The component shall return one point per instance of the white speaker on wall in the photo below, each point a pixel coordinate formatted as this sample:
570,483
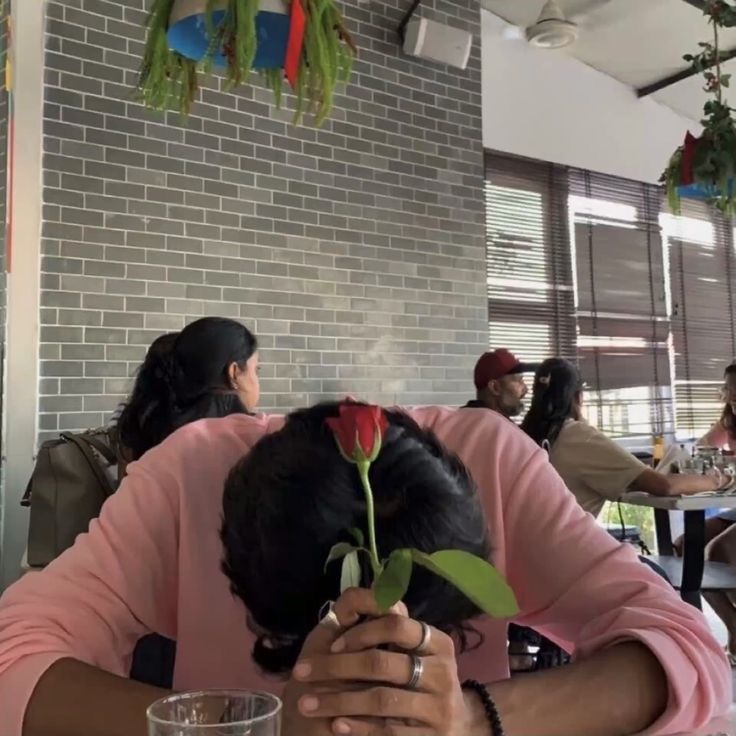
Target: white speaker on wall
428,39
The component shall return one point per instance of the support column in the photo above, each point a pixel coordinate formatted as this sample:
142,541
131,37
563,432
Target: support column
20,402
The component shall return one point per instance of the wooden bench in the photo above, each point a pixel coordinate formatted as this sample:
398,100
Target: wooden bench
716,575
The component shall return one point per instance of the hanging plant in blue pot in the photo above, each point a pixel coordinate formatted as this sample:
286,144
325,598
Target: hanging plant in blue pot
705,167
304,41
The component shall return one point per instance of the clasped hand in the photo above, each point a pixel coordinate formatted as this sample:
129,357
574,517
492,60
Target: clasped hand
353,681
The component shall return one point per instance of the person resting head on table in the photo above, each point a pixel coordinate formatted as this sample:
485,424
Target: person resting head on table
444,478
593,466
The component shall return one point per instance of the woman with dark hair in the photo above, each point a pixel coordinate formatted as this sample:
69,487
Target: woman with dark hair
443,478
720,530
723,433
594,467
209,369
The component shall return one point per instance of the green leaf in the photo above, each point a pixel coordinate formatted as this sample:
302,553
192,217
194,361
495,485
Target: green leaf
350,577
474,577
339,551
392,584
358,536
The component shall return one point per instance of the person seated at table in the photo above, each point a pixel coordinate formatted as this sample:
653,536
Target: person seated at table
443,478
723,433
593,466
208,369
720,531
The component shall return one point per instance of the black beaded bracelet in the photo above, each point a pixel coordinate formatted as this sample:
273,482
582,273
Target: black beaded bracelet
488,705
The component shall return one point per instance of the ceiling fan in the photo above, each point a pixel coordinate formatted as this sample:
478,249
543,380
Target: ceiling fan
554,29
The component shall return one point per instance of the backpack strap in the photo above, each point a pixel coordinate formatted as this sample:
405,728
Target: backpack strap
107,452
85,447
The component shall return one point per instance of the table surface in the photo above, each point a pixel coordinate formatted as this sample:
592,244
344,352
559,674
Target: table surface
696,502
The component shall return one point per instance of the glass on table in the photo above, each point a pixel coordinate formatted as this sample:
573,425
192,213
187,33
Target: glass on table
216,713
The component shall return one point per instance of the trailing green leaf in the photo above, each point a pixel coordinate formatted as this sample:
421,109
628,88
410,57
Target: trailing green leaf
339,551
474,577
391,585
714,153
168,80
358,536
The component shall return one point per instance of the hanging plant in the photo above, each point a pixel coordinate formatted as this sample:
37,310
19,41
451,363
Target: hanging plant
705,167
303,40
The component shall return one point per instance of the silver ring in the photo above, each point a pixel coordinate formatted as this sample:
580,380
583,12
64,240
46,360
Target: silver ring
417,670
328,617
423,645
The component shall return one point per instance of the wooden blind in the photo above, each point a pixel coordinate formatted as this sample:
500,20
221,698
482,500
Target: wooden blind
623,324
530,282
701,255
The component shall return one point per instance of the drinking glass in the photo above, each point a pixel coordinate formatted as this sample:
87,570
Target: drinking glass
216,713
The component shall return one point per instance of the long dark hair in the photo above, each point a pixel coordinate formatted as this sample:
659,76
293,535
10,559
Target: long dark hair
728,418
556,385
293,497
184,378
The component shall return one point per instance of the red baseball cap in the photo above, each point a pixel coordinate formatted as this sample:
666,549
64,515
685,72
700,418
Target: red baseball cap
497,364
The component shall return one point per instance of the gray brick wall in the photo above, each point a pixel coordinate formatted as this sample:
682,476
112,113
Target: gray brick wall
355,251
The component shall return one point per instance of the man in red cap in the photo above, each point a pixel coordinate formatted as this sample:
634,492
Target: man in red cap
499,382
499,385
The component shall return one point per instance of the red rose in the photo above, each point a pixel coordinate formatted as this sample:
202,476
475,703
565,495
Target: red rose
359,431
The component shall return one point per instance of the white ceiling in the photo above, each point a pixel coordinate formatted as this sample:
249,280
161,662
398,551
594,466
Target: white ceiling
637,42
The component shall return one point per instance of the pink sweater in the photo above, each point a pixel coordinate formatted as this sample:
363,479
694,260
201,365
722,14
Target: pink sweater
151,563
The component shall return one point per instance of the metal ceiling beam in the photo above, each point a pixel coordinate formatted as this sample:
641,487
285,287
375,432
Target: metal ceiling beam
661,84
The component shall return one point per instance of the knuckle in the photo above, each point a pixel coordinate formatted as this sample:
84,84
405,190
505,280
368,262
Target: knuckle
446,642
395,625
378,663
382,699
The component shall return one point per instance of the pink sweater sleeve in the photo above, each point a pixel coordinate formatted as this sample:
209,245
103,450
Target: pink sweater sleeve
72,609
581,588
118,582
576,584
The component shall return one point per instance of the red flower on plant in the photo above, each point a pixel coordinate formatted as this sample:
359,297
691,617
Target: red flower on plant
359,431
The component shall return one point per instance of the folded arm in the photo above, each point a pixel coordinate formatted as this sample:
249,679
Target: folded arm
581,588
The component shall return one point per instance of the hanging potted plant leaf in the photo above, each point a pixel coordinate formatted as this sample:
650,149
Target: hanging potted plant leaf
303,40
705,167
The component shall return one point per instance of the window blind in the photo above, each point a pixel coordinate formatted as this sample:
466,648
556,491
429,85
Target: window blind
529,271
701,255
622,315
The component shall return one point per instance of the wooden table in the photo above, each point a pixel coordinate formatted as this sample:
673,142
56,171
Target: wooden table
693,566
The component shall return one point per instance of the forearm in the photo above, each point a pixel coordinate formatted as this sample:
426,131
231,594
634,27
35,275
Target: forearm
675,484
567,701
73,698
680,485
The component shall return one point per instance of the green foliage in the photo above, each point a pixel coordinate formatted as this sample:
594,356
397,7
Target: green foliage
168,80
638,516
714,162
393,582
